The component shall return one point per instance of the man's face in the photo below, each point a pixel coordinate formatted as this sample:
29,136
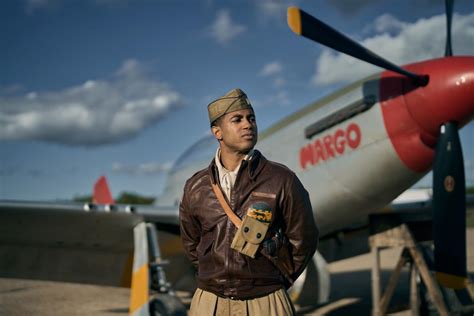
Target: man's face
237,131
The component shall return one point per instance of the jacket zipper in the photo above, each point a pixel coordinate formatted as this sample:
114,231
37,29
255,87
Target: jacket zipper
230,225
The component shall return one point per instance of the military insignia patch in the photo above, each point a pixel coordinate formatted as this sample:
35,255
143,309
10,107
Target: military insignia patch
261,211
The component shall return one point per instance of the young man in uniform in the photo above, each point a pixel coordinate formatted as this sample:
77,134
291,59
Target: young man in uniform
246,222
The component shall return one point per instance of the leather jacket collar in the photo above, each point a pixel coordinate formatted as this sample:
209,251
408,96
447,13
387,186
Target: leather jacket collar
253,166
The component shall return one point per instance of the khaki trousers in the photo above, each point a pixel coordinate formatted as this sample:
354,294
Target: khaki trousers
205,303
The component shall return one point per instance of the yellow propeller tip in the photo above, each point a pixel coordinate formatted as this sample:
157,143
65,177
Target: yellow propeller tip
451,281
294,19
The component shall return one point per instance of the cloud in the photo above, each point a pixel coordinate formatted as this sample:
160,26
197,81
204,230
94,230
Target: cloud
388,23
350,7
270,69
11,89
33,5
279,98
469,163
282,98
151,168
273,71
274,10
224,29
94,113
279,82
400,43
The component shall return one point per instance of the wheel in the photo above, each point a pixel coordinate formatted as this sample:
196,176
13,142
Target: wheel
167,305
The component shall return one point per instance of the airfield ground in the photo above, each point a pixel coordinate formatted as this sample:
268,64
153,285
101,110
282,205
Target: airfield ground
350,292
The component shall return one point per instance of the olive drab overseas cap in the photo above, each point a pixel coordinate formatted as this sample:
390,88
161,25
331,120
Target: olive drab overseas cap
234,100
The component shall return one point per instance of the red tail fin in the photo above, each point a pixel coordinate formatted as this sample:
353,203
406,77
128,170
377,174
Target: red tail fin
101,194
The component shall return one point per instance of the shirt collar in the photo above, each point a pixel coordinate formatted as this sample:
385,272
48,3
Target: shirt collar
222,169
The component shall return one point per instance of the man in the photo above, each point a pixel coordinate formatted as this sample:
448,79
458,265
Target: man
240,269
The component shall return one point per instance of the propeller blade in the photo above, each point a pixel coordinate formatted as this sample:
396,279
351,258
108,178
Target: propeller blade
449,209
308,26
449,16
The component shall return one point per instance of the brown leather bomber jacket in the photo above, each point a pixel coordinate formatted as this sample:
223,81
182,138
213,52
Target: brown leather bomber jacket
207,232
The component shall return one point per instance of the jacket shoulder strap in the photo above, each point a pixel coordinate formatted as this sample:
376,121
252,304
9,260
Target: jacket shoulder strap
234,218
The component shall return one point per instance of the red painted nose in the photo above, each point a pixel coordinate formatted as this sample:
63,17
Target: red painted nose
413,115
449,95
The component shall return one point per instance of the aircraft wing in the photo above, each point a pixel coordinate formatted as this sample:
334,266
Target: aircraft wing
73,242
352,241
164,217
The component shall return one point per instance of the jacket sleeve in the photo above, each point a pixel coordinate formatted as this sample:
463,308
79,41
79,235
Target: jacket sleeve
300,226
189,227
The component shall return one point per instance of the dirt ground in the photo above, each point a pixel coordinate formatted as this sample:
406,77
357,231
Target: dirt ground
350,291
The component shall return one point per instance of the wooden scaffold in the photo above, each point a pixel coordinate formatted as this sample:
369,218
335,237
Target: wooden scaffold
412,254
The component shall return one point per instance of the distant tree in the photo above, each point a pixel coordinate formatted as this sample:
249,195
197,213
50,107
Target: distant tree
133,198
83,198
470,190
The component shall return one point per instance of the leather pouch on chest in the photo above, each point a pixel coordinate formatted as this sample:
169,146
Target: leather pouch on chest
251,233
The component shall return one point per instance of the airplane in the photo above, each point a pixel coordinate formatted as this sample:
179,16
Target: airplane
355,151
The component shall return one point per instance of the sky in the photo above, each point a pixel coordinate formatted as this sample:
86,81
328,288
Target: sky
120,87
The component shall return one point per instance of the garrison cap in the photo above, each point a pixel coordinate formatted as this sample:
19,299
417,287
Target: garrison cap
233,100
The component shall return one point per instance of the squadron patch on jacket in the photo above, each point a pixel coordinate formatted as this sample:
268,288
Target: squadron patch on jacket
261,211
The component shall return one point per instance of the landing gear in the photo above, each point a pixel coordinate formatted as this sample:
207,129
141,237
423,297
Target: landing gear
165,301
167,305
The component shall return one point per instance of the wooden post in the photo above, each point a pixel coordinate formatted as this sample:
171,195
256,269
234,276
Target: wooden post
376,282
431,285
414,302
387,296
401,236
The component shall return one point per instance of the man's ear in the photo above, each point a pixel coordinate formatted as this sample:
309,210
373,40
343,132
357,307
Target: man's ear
216,131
